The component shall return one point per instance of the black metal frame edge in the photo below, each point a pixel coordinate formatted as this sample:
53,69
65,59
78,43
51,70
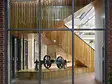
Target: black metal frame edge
67,29
106,40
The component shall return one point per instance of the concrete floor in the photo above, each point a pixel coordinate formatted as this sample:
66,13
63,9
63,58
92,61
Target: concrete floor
86,78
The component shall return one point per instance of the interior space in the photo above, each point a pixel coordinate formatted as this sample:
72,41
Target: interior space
56,42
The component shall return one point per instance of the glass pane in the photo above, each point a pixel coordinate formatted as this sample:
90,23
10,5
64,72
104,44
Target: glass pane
89,52
53,13
23,14
23,51
56,49
87,16
56,14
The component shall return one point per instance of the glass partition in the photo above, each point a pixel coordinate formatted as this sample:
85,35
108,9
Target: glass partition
24,50
50,14
23,14
40,54
88,16
89,52
57,67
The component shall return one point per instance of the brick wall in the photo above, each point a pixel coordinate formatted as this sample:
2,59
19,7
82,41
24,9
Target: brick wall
2,70
110,37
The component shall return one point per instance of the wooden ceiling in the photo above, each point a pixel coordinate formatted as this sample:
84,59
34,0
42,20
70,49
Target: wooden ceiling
58,2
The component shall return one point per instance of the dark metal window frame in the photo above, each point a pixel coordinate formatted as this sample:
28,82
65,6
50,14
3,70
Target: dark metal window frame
54,29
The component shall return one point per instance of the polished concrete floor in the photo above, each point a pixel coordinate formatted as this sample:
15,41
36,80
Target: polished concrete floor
85,78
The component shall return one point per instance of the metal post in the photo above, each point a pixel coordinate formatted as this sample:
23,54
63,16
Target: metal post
72,41
40,67
106,41
39,40
6,41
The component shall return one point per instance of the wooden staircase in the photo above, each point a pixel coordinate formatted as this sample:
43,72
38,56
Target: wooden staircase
83,52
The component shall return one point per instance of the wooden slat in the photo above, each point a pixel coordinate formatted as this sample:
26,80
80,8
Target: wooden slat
83,52
24,15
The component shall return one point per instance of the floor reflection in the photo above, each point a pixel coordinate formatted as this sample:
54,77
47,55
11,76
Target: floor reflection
85,78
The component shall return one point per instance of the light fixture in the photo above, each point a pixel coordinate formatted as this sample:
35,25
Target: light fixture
54,41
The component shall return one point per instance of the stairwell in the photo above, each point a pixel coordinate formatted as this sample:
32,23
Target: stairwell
83,52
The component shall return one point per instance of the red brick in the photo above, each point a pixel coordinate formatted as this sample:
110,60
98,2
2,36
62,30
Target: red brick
110,37
2,54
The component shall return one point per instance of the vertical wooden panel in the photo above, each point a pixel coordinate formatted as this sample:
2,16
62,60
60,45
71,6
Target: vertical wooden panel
83,52
24,15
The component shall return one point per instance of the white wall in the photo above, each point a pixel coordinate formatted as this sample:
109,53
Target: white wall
31,50
43,50
99,42
98,55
